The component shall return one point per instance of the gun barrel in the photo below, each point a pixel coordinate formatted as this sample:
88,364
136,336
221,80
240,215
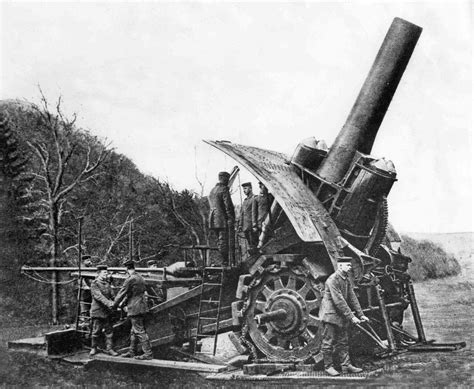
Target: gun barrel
360,129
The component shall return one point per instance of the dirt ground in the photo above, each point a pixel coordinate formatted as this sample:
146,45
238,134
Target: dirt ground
446,309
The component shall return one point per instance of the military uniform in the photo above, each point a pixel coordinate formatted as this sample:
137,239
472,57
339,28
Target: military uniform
101,311
133,290
336,314
245,222
260,210
222,219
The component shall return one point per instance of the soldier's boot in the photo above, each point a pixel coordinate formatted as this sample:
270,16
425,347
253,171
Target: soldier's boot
94,350
132,351
351,369
109,345
146,347
331,371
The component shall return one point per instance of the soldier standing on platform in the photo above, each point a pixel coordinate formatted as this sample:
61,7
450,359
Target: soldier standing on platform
101,311
222,217
245,221
133,290
336,314
261,209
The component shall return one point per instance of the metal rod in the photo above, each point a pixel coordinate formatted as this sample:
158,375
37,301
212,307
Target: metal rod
76,268
416,313
275,315
391,305
130,241
386,319
79,260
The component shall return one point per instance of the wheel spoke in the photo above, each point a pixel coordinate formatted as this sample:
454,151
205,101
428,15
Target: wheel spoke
295,342
312,304
303,291
260,305
313,321
278,284
269,334
282,343
267,291
308,335
291,283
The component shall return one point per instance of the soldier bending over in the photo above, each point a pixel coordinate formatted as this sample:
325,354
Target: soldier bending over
336,314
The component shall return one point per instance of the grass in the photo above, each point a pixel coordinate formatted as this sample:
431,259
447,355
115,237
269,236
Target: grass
430,261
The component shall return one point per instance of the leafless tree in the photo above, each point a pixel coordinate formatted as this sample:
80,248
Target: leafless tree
55,176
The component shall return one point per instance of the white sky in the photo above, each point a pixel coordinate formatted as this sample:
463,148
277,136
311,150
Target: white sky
157,78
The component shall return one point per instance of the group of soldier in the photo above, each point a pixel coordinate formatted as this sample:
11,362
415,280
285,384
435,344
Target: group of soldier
253,216
336,311
105,302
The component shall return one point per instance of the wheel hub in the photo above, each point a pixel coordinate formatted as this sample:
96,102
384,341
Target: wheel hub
294,306
282,314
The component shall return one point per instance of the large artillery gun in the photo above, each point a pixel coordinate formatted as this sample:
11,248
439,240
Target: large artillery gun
328,204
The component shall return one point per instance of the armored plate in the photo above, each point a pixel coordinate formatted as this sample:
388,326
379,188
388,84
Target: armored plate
307,215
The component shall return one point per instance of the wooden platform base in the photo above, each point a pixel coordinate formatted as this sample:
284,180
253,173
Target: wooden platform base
157,363
290,377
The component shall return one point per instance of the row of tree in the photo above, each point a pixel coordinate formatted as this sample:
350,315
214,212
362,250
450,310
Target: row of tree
53,173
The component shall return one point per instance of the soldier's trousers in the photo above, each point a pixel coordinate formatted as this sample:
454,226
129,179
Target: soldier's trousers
252,238
100,324
335,343
138,332
225,243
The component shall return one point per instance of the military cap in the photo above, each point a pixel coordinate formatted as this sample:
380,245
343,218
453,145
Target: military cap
247,184
129,264
344,260
101,267
224,175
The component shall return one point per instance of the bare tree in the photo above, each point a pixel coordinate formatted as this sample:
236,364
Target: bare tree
56,176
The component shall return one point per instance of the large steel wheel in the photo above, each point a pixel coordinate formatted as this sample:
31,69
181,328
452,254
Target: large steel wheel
282,314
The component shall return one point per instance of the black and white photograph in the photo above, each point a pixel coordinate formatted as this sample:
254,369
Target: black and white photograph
217,194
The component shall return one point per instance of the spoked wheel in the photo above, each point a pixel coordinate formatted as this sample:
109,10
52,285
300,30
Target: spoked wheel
282,314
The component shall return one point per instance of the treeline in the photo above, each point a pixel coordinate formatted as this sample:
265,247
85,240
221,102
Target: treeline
429,260
52,173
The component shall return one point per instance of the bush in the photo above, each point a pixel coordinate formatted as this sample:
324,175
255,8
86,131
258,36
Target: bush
429,259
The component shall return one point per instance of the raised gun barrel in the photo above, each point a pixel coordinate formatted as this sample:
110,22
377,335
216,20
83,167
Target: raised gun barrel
360,129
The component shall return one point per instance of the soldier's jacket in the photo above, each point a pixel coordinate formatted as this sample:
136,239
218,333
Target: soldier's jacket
102,298
133,289
245,221
222,213
339,300
261,207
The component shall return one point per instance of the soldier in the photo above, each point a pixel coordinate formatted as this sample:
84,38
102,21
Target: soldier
336,314
222,216
101,311
133,290
245,221
261,208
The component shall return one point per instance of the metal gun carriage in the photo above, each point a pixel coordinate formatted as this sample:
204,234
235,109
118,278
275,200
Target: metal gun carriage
328,204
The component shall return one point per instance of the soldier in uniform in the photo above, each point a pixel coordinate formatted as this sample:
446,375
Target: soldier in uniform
222,216
133,290
336,314
101,311
261,208
245,221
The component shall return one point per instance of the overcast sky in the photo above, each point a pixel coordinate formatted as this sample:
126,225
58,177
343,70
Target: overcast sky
157,78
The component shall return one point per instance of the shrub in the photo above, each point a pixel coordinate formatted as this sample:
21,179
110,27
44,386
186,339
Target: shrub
429,259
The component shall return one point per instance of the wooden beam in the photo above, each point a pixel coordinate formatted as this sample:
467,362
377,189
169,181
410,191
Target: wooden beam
162,364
